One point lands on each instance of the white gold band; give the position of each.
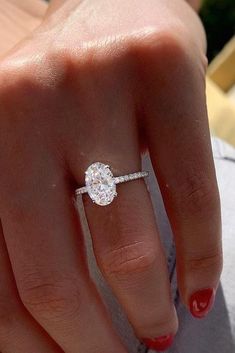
(117, 180)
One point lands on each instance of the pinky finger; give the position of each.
(19, 333)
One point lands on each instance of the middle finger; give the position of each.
(50, 267)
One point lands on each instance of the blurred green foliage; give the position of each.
(218, 17)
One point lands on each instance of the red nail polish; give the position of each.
(160, 343)
(201, 302)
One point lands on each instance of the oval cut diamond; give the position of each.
(100, 183)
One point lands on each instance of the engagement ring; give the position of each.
(101, 184)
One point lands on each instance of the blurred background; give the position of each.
(218, 17)
(19, 17)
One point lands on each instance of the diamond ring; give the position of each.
(101, 184)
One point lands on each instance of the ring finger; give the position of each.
(125, 236)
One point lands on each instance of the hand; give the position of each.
(104, 81)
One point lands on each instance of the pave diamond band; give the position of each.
(101, 184)
(117, 180)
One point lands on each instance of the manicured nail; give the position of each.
(201, 302)
(160, 343)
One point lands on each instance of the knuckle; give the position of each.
(169, 43)
(89, 60)
(129, 259)
(50, 297)
(158, 55)
(34, 75)
(10, 313)
(8, 309)
(198, 195)
(20, 79)
(11, 82)
(16, 74)
(62, 64)
(210, 263)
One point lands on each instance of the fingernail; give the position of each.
(160, 343)
(201, 302)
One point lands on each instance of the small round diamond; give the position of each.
(100, 183)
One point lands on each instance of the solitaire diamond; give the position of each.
(100, 183)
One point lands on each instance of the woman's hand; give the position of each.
(103, 81)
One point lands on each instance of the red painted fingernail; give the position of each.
(201, 302)
(160, 343)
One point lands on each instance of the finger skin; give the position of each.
(180, 149)
(19, 332)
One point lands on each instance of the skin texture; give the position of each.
(103, 81)
(55, 4)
